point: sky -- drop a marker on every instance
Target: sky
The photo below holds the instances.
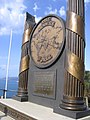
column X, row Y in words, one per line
column 12, row 14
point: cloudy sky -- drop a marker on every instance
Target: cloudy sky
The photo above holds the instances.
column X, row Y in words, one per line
column 12, row 14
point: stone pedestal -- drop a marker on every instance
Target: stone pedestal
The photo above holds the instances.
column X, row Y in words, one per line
column 73, row 114
column 30, row 111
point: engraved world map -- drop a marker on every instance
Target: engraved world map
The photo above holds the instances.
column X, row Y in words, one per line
column 46, row 41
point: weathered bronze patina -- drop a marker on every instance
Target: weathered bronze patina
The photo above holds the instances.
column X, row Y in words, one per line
column 74, row 60
column 46, row 47
column 47, row 41
column 24, row 63
column 74, row 23
column 74, row 65
column 54, row 76
column 26, row 35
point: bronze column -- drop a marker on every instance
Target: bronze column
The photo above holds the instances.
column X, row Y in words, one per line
column 24, row 63
column 74, row 60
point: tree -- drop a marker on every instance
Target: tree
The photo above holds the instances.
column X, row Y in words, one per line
column 87, row 76
column 87, row 83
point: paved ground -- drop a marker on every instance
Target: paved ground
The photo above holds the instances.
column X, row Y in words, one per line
column 33, row 110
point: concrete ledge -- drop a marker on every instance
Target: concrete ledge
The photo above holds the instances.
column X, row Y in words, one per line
column 4, row 117
column 31, row 111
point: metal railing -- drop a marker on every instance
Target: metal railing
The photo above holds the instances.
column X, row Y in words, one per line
column 3, row 90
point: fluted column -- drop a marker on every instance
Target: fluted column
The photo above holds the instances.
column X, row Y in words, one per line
column 24, row 63
column 74, row 60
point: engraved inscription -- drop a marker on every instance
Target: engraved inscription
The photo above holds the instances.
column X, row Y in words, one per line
column 44, row 84
column 14, row 113
column 46, row 41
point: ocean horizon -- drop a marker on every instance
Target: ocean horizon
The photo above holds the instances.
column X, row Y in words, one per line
column 12, row 86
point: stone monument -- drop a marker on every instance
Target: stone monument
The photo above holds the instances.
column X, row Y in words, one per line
column 46, row 69
column 52, row 62
column 73, row 104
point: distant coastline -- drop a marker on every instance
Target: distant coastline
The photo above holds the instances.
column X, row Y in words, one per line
column 9, row 78
column 12, row 86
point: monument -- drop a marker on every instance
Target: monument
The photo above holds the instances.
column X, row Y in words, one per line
column 73, row 104
column 47, row 46
column 74, row 60
column 52, row 62
column 22, row 94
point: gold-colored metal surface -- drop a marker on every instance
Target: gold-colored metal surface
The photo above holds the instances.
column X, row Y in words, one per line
column 75, row 23
column 24, row 64
column 74, row 65
column 74, row 58
column 47, row 40
column 26, row 35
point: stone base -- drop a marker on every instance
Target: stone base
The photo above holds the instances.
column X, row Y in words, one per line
column 30, row 111
column 21, row 98
column 72, row 114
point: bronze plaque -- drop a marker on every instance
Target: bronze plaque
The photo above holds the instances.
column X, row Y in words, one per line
column 44, row 84
column 47, row 40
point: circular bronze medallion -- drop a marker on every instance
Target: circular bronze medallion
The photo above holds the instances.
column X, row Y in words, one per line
column 47, row 40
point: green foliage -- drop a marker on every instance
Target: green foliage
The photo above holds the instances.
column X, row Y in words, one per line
column 87, row 76
column 87, row 83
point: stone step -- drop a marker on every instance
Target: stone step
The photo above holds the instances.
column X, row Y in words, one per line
column 4, row 117
column 29, row 111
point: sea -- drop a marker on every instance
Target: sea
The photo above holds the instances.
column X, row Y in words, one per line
column 12, row 86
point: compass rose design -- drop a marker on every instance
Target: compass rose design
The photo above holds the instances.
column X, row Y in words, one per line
column 47, row 40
